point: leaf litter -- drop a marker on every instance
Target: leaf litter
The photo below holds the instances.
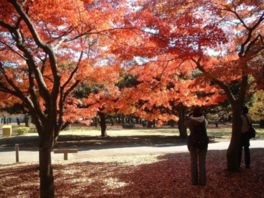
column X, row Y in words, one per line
column 166, row 176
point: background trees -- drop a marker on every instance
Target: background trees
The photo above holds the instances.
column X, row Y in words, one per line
column 257, row 107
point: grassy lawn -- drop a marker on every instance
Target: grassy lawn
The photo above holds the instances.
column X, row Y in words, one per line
column 223, row 132
column 117, row 136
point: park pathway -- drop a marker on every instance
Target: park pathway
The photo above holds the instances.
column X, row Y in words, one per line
column 97, row 155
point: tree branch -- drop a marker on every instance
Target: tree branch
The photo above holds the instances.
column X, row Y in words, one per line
column 13, row 50
column 238, row 17
column 41, row 44
column 215, row 80
column 73, row 72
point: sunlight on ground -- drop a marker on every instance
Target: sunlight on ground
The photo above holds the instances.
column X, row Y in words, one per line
column 81, row 180
column 113, row 183
column 128, row 159
column 121, row 132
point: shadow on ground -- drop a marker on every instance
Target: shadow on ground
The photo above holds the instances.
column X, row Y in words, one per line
column 169, row 177
column 94, row 142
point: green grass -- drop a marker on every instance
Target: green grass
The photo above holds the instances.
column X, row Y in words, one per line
column 223, row 132
column 260, row 131
column 121, row 132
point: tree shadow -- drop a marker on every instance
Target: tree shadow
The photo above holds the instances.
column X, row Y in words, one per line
column 94, row 142
column 167, row 177
column 170, row 177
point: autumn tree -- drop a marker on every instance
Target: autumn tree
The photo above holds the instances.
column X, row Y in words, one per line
column 257, row 107
column 101, row 101
column 158, row 54
column 160, row 94
column 231, row 71
column 225, row 51
column 44, row 54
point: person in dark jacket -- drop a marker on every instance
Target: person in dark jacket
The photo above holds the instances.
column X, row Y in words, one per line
column 197, row 145
column 245, row 143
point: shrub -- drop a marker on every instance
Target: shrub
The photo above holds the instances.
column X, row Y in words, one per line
column 128, row 126
column 22, row 130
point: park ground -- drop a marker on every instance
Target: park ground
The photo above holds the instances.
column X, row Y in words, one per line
column 131, row 163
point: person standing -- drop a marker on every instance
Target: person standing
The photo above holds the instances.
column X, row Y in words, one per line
column 245, row 124
column 197, row 146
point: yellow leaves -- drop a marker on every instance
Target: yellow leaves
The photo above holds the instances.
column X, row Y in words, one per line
column 257, row 108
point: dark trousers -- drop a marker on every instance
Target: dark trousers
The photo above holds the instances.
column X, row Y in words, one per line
column 245, row 146
column 198, row 166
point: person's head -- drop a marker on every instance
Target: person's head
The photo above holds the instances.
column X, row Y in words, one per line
column 197, row 112
column 245, row 110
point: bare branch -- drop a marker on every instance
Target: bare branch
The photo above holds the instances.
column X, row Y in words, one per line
column 16, row 91
column 238, row 17
column 252, row 43
column 13, row 50
column 41, row 44
column 7, row 26
column 73, row 72
column 261, row 18
column 29, row 58
column 44, row 63
column 63, row 96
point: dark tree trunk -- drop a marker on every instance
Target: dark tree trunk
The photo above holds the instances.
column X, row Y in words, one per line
column 234, row 149
column 47, row 189
column 150, row 124
column 95, row 121
column 112, row 121
column 181, row 126
column 26, row 121
column 18, row 121
column 118, row 119
column 216, row 124
column 122, row 119
column 102, row 117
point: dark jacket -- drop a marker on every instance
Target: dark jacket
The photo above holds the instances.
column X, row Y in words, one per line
column 198, row 135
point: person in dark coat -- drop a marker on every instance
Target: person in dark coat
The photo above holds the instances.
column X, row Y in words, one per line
column 245, row 124
column 197, row 145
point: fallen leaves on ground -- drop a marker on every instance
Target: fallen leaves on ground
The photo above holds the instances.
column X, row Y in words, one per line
column 168, row 176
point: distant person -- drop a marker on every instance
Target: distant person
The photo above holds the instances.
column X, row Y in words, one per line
column 18, row 121
column 197, row 145
column 245, row 124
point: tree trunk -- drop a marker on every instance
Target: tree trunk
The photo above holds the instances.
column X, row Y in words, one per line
column 102, row 124
column 234, row 149
column 150, row 124
column 181, row 126
column 122, row 119
column 26, row 121
column 47, row 189
column 18, row 121
column 182, row 129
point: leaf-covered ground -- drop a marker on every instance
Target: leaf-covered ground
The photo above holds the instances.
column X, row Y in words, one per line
column 140, row 176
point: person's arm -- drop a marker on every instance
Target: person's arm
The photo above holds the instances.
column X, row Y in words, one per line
column 206, row 122
column 187, row 122
column 249, row 119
